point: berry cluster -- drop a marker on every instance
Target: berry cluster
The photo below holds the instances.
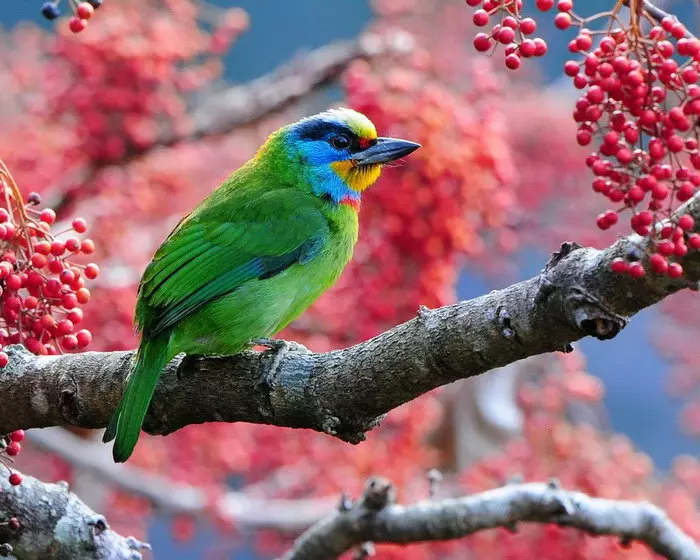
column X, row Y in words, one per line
column 125, row 95
column 10, row 446
column 641, row 101
column 511, row 29
column 82, row 12
column 41, row 288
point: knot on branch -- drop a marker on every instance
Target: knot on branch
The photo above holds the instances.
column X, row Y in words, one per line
column 592, row 316
column 566, row 249
column 379, row 493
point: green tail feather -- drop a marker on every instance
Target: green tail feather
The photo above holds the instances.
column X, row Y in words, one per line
column 126, row 422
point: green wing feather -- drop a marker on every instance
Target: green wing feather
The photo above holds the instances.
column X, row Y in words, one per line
column 250, row 235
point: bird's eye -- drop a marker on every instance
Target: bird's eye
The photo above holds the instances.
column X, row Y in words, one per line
column 340, row 142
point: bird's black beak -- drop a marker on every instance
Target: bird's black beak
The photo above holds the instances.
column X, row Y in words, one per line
column 384, row 151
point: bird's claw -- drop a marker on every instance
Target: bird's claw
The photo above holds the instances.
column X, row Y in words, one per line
column 280, row 345
column 280, row 348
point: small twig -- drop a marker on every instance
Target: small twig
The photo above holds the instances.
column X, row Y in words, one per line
column 502, row 507
column 658, row 14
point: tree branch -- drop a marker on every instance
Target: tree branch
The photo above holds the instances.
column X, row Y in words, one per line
column 375, row 518
column 242, row 508
column 54, row 525
column 346, row 392
column 241, row 105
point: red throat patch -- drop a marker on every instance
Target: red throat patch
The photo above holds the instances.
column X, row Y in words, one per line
column 352, row 202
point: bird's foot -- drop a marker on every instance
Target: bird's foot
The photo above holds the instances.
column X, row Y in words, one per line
column 281, row 348
column 278, row 345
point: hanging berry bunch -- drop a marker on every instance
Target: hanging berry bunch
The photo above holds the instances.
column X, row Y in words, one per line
column 82, row 12
column 640, row 105
column 10, row 447
column 41, row 289
column 510, row 29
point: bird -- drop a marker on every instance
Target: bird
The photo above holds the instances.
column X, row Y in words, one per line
column 255, row 253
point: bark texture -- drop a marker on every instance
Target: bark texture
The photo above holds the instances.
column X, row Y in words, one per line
column 55, row 525
column 376, row 518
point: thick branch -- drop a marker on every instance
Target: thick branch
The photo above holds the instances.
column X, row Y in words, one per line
column 376, row 519
column 54, row 525
column 346, row 392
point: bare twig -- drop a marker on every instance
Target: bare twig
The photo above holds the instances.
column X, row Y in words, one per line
column 375, row 518
column 55, row 525
column 241, row 105
column 658, row 14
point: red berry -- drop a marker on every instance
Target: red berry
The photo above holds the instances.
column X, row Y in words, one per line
column 84, row 10
column 528, row 26
column 480, row 18
column 528, row 48
column 43, row 247
column 675, row 270
column 13, row 448
column 39, row 260
column 636, row 270
column 79, row 225
column 75, row 315
column 17, row 435
column 482, row 43
column 562, row 21
column 694, row 241
column 69, row 301
column 56, row 265
column 571, row 68
column 69, row 342
column 92, row 271
column 58, row 248
column 686, row 222
column 513, row 61
column 658, row 263
column 64, row 327
column 4, row 359
column 84, row 337
column 77, row 24
column 611, row 217
column 83, row 295
column 87, row 246
column 544, row 5
column 14, row 282
column 541, row 46
column 619, row 265
column 505, row 35
column 66, row 276
column 15, row 479
column 48, row 216
column 565, row 5
column 72, row 244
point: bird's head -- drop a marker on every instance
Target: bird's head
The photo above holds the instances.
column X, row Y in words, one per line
column 340, row 153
